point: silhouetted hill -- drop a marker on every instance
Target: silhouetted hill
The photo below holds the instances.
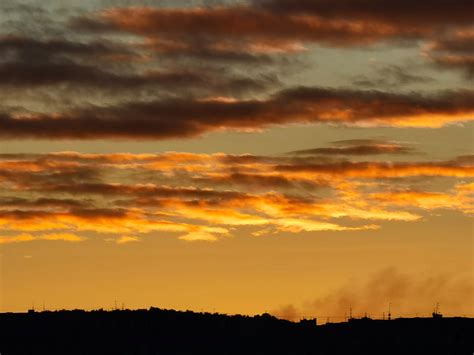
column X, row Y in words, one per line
column 166, row 332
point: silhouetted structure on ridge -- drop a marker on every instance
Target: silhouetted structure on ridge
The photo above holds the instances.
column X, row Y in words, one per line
column 168, row 332
column 436, row 313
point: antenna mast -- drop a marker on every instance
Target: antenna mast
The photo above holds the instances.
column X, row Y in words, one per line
column 436, row 313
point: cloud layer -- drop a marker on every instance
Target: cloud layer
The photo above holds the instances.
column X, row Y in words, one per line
column 208, row 197
column 188, row 118
column 158, row 73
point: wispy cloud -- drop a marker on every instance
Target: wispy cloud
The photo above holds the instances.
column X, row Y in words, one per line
column 27, row 237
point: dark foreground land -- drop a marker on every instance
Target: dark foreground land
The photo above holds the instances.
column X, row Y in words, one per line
column 165, row 332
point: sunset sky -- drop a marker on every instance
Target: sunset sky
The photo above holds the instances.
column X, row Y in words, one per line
column 295, row 157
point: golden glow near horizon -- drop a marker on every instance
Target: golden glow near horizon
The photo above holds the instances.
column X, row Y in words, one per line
column 242, row 158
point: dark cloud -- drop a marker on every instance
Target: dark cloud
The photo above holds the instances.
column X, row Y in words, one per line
column 40, row 171
column 361, row 149
column 389, row 76
column 254, row 29
column 345, row 142
column 454, row 51
column 460, row 42
column 257, row 182
column 402, row 12
column 188, row 71
column 381, row 169
column 186, row 118
column 29, row 63
column 468, row 159
column 144, row 191
column 464, row 63
column 28, row 49
column 28, row 75
column 43, row 202
column 264, row 26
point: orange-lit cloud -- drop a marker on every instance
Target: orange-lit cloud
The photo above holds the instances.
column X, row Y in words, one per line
column 26, row 237
column 209, row 196
column 347, row 23
column 125, row 239
column 426, row 200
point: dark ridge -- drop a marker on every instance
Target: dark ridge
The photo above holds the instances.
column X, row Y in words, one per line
column 167, row 332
